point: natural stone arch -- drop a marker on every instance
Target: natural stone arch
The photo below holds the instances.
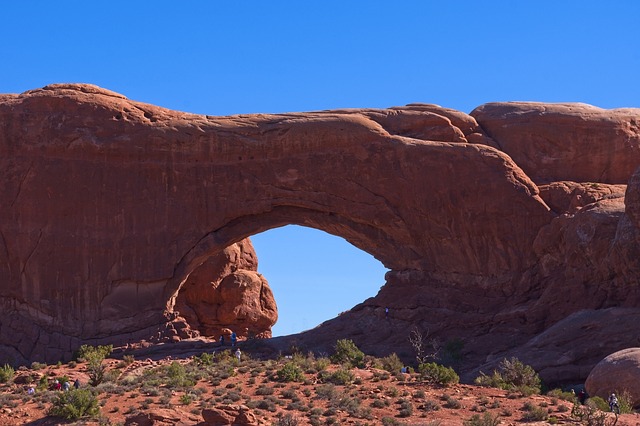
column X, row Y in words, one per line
column 108, row 204
column 130, row 189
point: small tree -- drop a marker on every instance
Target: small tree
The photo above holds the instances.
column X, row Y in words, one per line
column 94, row 355
column 426, row 349
column 348, row 353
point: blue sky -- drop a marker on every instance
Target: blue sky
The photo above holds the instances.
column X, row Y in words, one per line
column 229, row 57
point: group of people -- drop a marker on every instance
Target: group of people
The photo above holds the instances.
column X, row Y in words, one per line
column 57, row 385
column 614, row 406
column 65, row 385
column 233, row 337
column 234, row 341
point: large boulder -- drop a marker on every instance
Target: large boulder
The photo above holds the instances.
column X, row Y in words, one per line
column 229, row 414
column 226, row 292
column 618, row 372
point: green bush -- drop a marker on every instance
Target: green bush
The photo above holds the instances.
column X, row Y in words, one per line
column 535, row 414
column 338, row 377
column 6, row 373
column 205, row 358
column 438, row 374
column 597, row 402
column 75, row 404
column 485, row 420
column 392, row 363
column 560, row 394
column 290, row 372
column 178, row 376
column 346, row 352
column 625, row 402
column 512, row 375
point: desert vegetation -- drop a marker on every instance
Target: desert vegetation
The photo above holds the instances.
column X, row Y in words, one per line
column 296, row 388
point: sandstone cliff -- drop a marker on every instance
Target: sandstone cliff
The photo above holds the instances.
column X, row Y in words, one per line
column 505, row 229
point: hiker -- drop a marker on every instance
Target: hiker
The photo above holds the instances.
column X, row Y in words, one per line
column 31, row 390
column 582, row 396
column 56, row 385
column 613, row 403
column 386, row 313
column 66, row 385
column 222, row 340
column 234, row 338
column 238, row 354
column 76, row 384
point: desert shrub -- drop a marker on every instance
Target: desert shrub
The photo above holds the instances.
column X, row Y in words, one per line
column 438, row 374
column 512, row 375
column 35, row 365
column 204, row 359
column 406, row 409
column 392, row 363
column 534, row 414
column 6, row 373
column 326, row 391
column 186, row 399
column 264, row 390
column 75, row 404
column 430, row 405
column 390, row 421
column 625, row 402
column 322, row 363
column 598, row 403
column 485, row 420
column 451, row 402
column 290, row 372
column 560, row 394
column 287, row 420
column 346, row 352
column 128, row 359
column 339, row 377
column 179, row 377
column 380, row 403
column 590, row 415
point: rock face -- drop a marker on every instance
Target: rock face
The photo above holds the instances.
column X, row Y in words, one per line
column 618, row 372
column 227, row 293
column 496, row 226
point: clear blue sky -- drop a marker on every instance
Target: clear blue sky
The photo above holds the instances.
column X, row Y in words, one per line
column 222, row 57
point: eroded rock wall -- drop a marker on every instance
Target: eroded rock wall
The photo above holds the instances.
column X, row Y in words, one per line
column 496, row 226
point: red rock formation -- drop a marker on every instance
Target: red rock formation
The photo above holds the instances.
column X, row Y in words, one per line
column 114, row 211
column 617, row 373
column 556, row 142
column 226, row 292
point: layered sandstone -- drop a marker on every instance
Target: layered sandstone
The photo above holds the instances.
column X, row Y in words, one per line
column 497, row 227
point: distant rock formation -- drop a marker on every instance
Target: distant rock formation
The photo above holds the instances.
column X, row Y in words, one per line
column 506, row 231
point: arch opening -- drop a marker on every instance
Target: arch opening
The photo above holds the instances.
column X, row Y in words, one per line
column 218, row 287
column 314, row 275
